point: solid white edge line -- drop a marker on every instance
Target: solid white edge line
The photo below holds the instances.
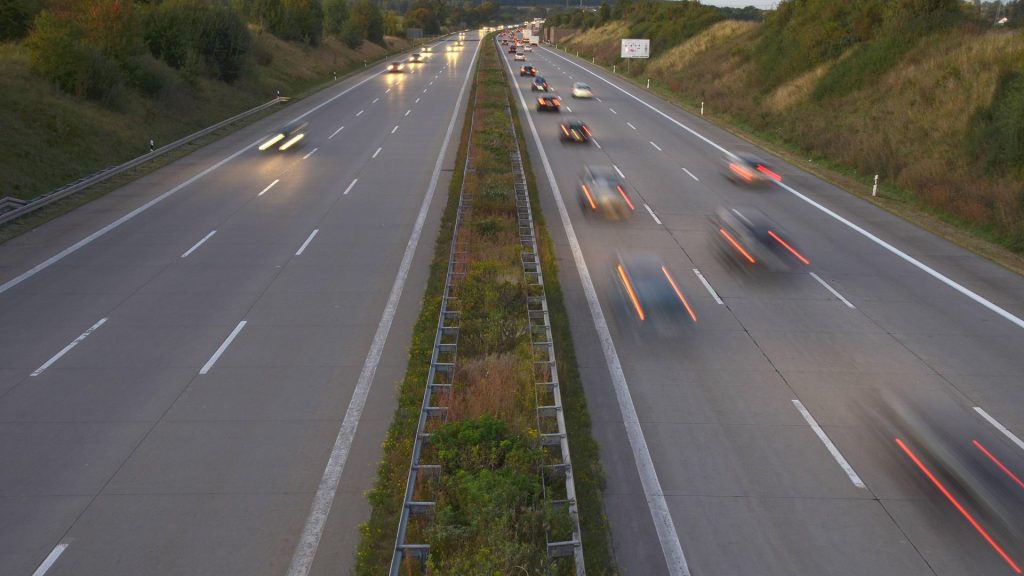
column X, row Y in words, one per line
column 658, row 506
column 621, row 175
column 707, row 285
column 323, row 500
column 198, row 244
column 832, row 290
column 271, row 185
column 378, row 151
column 836, row 454
column 892, row 249
column 349, row 189
column 655, row 146
column 395, row 129
column 224, row 346
column 306, row 243
column 68, row 348
column 998, row 426
column 630, row 125
column 103, row 231
column 311, row 152
column 51, row 559
column 691, row 174
column 653, row 215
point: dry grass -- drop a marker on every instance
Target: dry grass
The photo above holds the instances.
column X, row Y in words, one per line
column 679, row 57
column 791, row 93
column 496, row 385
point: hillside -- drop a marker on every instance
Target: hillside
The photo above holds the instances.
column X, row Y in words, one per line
column 52, row 138
column 934, row 105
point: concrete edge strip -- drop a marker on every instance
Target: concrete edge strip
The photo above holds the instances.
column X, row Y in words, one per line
column 889, row 247
column 669, row 539
column 323, row 500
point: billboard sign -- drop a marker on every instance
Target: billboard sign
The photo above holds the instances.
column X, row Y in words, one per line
column 634, row 48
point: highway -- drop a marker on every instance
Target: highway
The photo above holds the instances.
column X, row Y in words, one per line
column 759, row 440
column 197, row 370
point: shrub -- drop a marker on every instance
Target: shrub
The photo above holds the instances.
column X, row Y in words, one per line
column 16, row 18
column 59, row 53
column 210, row 37
column 149, row 76
column 996, row 133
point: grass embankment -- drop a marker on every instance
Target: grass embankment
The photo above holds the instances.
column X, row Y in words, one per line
column 490, row 517
column 52, row 138
column 933, row 105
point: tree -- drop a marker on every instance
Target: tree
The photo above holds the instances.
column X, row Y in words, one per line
column 604, row 14
column 335, row 15
column 367, row 17
column 392, row 23
column 16, row 17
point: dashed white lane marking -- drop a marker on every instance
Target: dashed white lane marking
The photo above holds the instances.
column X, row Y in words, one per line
column 198, row 244
column 613, row 110
column 323, row 500
column 653, row 215
column 271, row 184
column 832, row 290
column 395, row 129
column 360, row 113
column 335, row 133
column 431, row 83
column 417, row 101
column 378, row 151
column 424, row 90
column 656, row 147
column 598, row 99
column 407, row 112
column 630, row 125
column 621, row 175
column 691, row 174
column 375, row 100
column 306, row 243
column 838, row 456
column 349, row 189
column 388, row 90
column 707, row 285
column 569, row 110
column 596, row 143
column 998, row 426
column 51, row 559
column 68, row 348
column 224, row 346
column 311, row 152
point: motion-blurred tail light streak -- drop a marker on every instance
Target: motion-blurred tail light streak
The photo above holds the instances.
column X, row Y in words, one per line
column 292, row 142
column 958, row 506
column 632, row 294
column 679, row 293
column 590, row 199
column 788, row 247
column 625, row 197
column 277, row 138
column 764, row 170
column 998, row 463
column 737, row 246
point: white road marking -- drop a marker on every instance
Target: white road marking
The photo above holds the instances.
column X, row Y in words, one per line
column 311, row 152
column 375, row 100
column 271, row 185
column 424, row 90
column 378, row 151
column 224, row 346
column 1013, row 437
column 395, row 129
column 832, row 290
column 658, row 148
column 305, row 550
column 707, row 285
column 431, row 83
column 306, row 243
column 68, row 348
column 621, row 175
column 892, row 249
column 335, row 133
column 630, row 125
column 360, row 113
column 828, row 444
column 51, row 558
column 594, row 140
column 417, row 101
column 598, row 99
column 653, row 215
column 349, row 189
column 613, row 110
column 407, row 112
column 691, row 174
column 198, row 244
column 570, row 77
column 653, row 494
column 388, row 90
column 569, row 110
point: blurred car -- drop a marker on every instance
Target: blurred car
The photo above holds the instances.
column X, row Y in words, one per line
column 527, row 48
column 575, row 131
column 288, row 135
column 416, row 58
column 451, row 48
column 527, row 71
column 581, row 90
column 395, row 67
column 602, row 193
column 427, row 49
column 549, row 104
column 519, row 56
column 539, row 84
column 512, row 49
column 752, row 239
column 650, row 299
column 749, row 170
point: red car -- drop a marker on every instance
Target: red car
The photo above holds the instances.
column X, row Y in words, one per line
column 527, row 71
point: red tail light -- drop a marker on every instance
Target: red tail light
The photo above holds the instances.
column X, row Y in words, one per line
column 625, row 197
column 764, row 170
column 632, row 295
column 737, row 246
column 788, row 247
column 679, row 293
column 590, row 199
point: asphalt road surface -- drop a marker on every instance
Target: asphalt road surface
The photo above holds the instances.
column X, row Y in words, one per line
column 762, row 439
column 181, row 359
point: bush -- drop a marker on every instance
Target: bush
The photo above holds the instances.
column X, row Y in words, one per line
column 352, row 34
column 996, row 134
column 16, row 18
column 59, row 53
column 150, row 77
column 210, row 37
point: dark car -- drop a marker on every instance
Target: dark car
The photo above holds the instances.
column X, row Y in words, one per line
column 288, row 136
column 752, row 239
column 395, row 67
column 512, row 49
column 539, row 84
column 549, row 104
column 575, row 131
column 749, row 170
column 527, row 71
column 602, row 193
column 651, row 300
column 416, row 58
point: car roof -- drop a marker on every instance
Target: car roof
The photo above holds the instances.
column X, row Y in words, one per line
column 580, row 85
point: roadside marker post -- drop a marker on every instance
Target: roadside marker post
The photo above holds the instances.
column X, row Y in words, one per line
column 874, row 187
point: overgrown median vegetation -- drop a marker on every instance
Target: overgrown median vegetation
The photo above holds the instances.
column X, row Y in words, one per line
column 491, row 516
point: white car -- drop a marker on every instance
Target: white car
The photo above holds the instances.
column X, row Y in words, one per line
column 520, row 56
column 581, row 90
column 527, row 48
